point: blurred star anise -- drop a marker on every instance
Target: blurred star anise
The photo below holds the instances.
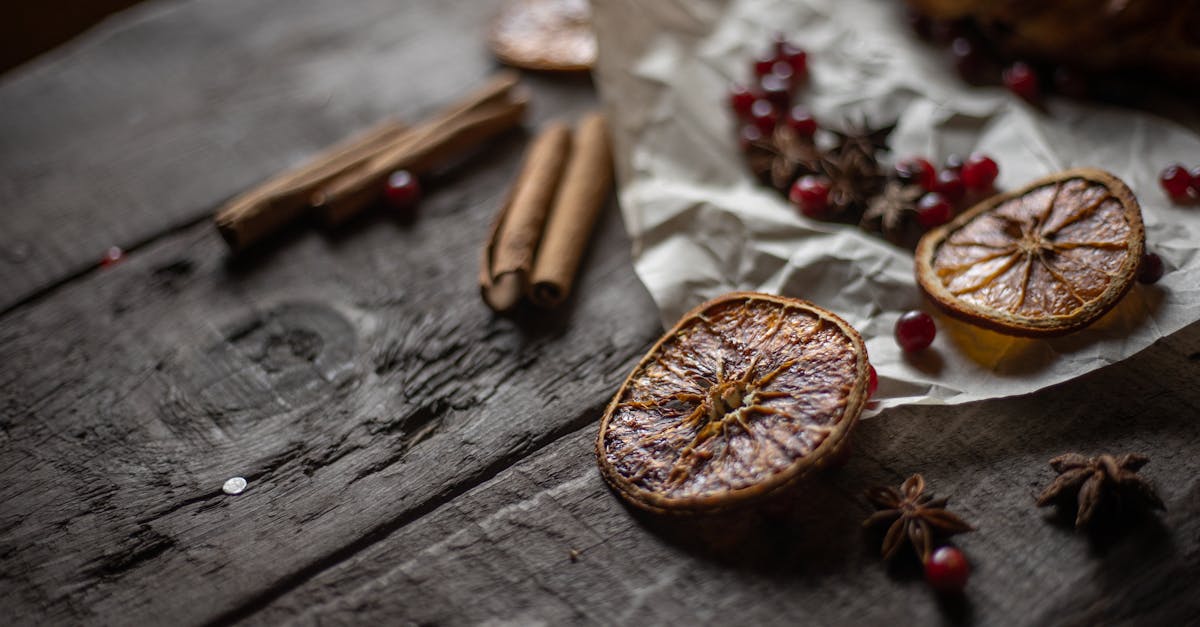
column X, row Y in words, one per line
column 890, row 212
column 912, row 516
column 853, row 180
column 1101, row 480
column 783, row 157
column 861, row 140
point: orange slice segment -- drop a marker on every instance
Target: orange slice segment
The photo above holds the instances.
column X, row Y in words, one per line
column 545, row 35
column 742, row 397
column 1043, row 260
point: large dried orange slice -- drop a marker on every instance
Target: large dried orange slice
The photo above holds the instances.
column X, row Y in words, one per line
column 1046, row 259
column 742, row 397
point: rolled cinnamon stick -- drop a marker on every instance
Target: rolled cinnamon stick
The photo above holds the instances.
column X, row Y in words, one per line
column 487, row 112
column 262, row 210
column 508, row 257
column 580, row 198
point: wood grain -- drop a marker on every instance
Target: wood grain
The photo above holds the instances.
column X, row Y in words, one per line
column 410, row 457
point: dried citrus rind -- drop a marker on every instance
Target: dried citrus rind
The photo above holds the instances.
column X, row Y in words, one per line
column 742, row 397
column 545, row 35
column 1046, row 259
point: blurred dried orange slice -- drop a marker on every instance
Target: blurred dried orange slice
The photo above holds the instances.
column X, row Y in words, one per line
column 546, row 35
column 742, row 397
column 1046, row 259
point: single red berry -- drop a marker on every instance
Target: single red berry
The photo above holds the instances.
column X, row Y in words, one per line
column 795, row 57
column 979, row 171
column 1021, row 79
column 402, row 190
column 947, row 570
column 763, row 63
column 764, row 115
column 873, row 383
column 113, row 255
column 740, row 100
column 811, row 194
column 800, row 119
column 954, row 161
column 915, row 331
column 1151, row 268
column 1176, row 180
column 777, row 90
column 933, row 209
column 950, row 185
column 748, row 136
column 784, row 70
column 916, row 171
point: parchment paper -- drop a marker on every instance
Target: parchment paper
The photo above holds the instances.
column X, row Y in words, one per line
column 702, row 226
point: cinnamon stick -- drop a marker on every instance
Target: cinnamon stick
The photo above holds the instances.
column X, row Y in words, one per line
column 509, row 255
column 262, row 210
column 581, row 196
column 482, row 115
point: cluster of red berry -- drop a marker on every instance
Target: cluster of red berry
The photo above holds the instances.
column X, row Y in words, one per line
column 778, row 73
column 947, row 189
column 1181, row 185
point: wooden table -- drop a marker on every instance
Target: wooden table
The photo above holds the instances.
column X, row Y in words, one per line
column 410, row 457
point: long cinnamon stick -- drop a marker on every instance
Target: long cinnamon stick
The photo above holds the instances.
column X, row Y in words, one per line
column 509, row 255
column 581, row 196
column 489, row 111
column 262, row 210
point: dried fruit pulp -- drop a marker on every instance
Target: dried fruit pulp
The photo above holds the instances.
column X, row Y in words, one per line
column 1044, row 260
column 743, row 396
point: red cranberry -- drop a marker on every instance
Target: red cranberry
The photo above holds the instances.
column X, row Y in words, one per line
column 950, row 185
column 811, row 194
column 915, row 331
column 1176, row 180
column 112, row 256
column 979, row 172
column 800, row 119
column 764, row 115
column 784, row 70
column 916, row 171
column 873, row 383
column 776, row 89
column 763, row 63
column 934, row 210
column 954, row 161
column 740, row 99
column 1151, row 268
column 748, row 136
column 796, row 57
column 1021, row 79
column 402, row 190
column 947, row 570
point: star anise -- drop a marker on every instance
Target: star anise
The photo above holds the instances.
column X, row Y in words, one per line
column 853, row 180
column 860, row 139
column 1104, row 480
column 889, row 212
column 783, row 157
column 912, row 515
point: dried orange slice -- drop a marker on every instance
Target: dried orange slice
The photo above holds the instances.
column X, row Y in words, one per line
column 546, row 35
column 1046, row 259
column 742, row 397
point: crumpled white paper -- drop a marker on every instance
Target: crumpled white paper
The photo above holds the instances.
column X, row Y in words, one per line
column 702, row 226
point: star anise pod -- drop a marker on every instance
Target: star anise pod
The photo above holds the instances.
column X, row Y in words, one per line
column 783, row 157
column 1097, row 481
column 860, row 139
column 889, row 212
column 912, row 515
column 853, row 180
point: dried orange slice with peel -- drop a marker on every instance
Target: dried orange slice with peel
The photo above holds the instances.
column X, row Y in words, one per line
column 742, row 397
column 1046, row 259
column 545, row 35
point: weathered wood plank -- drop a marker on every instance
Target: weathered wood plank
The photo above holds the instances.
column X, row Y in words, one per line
column 355, row 379
column 503, row 551
column 150, row 120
